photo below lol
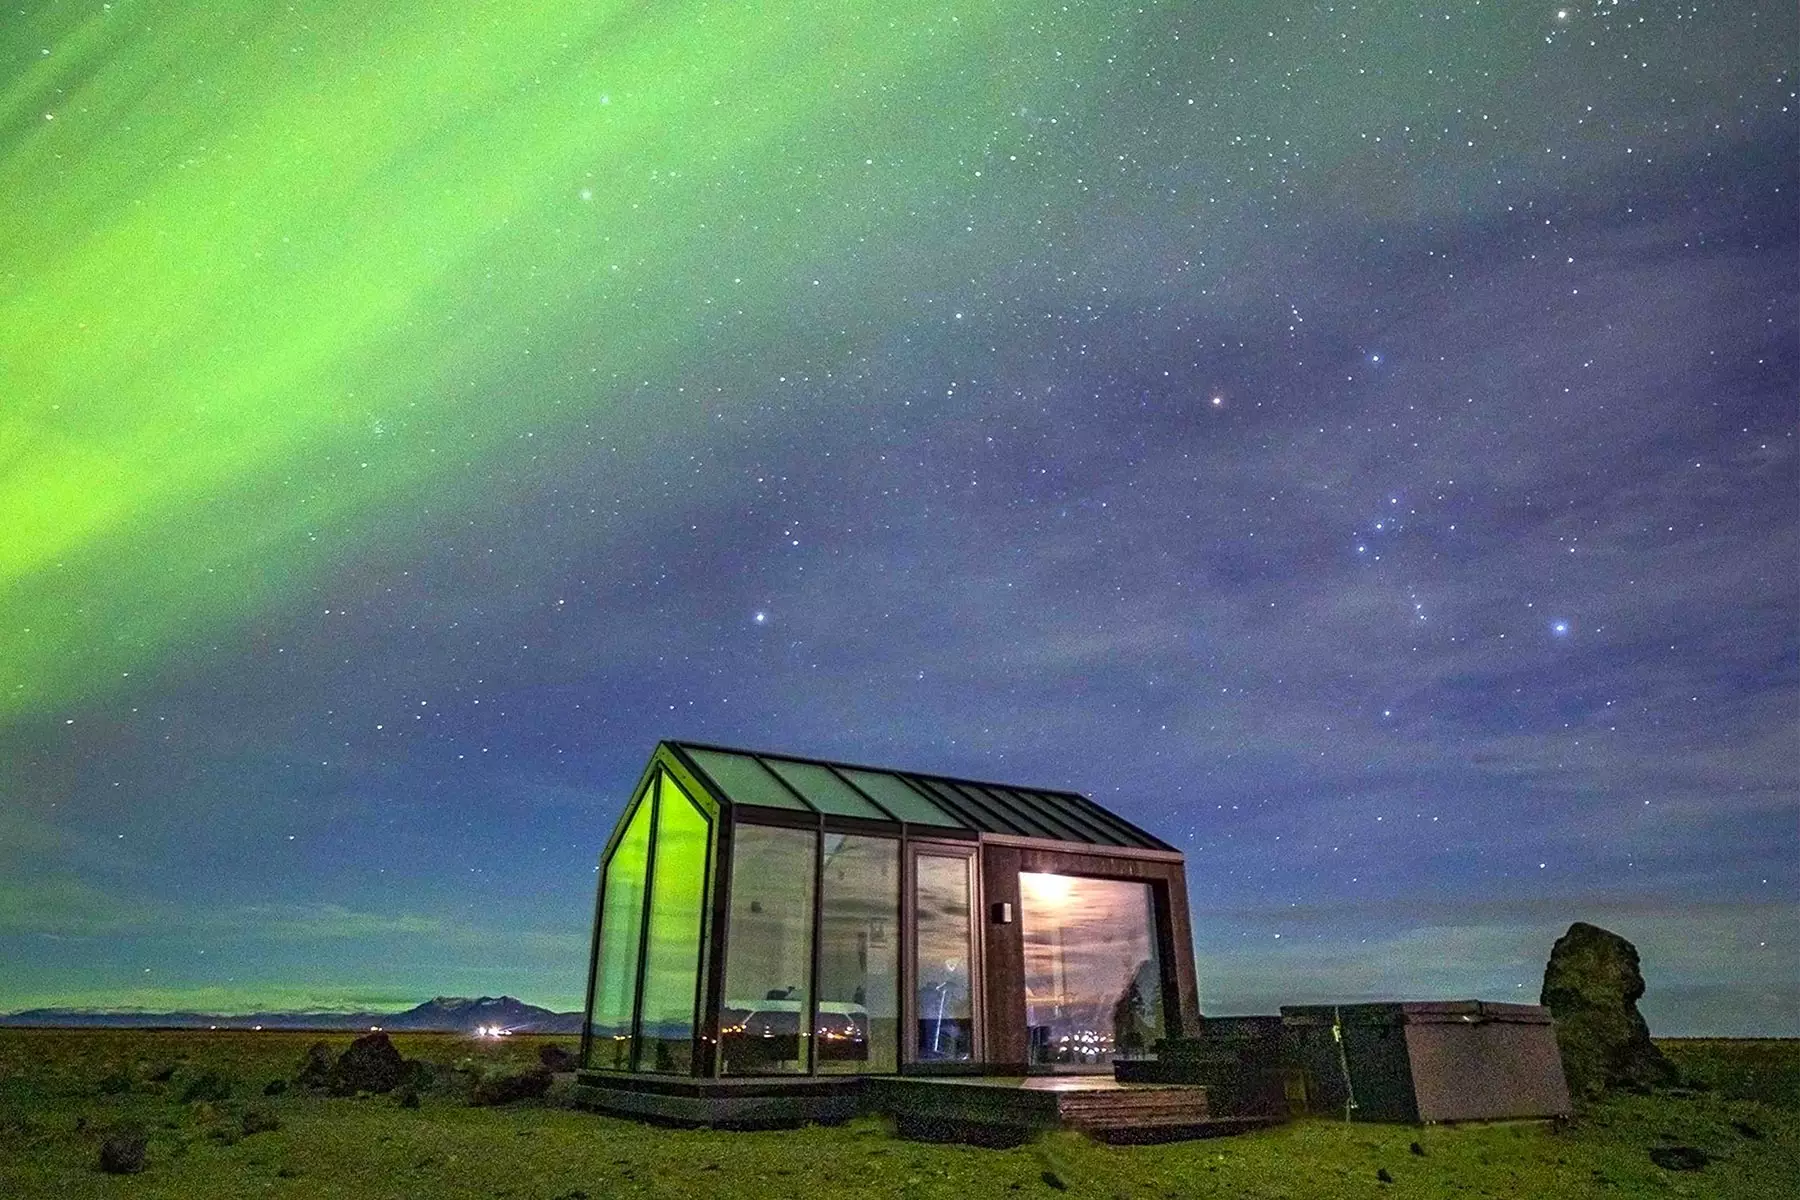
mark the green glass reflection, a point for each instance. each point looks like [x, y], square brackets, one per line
[672, 957]
[621, 928]
[823, 790]
[895, 796]
[768, 952]
[743, 779]
[857, 1027]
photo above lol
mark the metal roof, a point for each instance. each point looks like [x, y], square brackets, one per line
[760, 779]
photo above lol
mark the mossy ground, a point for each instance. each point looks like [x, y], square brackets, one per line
[60, 1093]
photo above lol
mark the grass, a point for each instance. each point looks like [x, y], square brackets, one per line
[60, 1092]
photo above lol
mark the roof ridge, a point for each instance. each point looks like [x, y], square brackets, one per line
[1090, 811]
[857, 766]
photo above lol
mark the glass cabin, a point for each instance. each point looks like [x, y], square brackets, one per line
[765, 915]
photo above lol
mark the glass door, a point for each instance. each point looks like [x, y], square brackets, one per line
[945, 990]
[1093, 979]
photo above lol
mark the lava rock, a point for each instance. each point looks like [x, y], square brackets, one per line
[1679, 1158]
[315, 1067]
[1592, 984]
[370, 1064]
[114, 1083]
[275, 1087]
[257, 1119]
[555, 1058]
[511, 1086]
[418, 1075]
[124, 1152]
[208, 1087]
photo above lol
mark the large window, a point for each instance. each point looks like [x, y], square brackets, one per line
[768, 955]
[621, 928]
[672, 954]
[1093, 982]
[944, 1017]
[858, 1026]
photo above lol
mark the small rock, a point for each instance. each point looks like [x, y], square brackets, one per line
[161, 1073]
[275, 1087]
[257, 1119]
[420, 1075]
[1384, 1175]
[506, 1088]
[315, 1067]
[1679, 1158]
[1052, 1179]
[555, 1058]
[1746, 1129]
[406, 1097]
[1417, 1149]
[124, 1152]
[208, 1087]
[114, 1083]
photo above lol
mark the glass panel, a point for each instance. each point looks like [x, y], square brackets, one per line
[1093, 985]
[823, 790]
[946, 1001]
[621, 929]
[768, 951]
[901, 800]
[858, 1023]
[744, 779]
[672, 957]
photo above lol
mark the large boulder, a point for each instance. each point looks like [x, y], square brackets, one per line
[1591, 987]
[369, 1064]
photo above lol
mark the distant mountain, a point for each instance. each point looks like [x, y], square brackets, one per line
[446, 1014]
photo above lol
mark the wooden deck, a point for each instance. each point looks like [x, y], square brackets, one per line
[987, 1108]
[984, 1109]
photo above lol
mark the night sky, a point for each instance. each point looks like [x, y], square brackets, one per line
[1354, 442]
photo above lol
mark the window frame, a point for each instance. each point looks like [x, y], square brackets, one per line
[970, 851]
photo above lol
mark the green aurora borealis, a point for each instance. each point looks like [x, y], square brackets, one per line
[276, 280]
[271, 275]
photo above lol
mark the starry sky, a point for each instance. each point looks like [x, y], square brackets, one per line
[1354, 441]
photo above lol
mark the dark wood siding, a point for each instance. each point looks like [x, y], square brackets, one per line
[1004, 970]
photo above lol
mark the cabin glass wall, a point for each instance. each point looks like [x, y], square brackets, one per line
[1093, 981]
[857, 1027]
[944, 1025]
[763, 1023]
[672, 953]
[621, 927]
